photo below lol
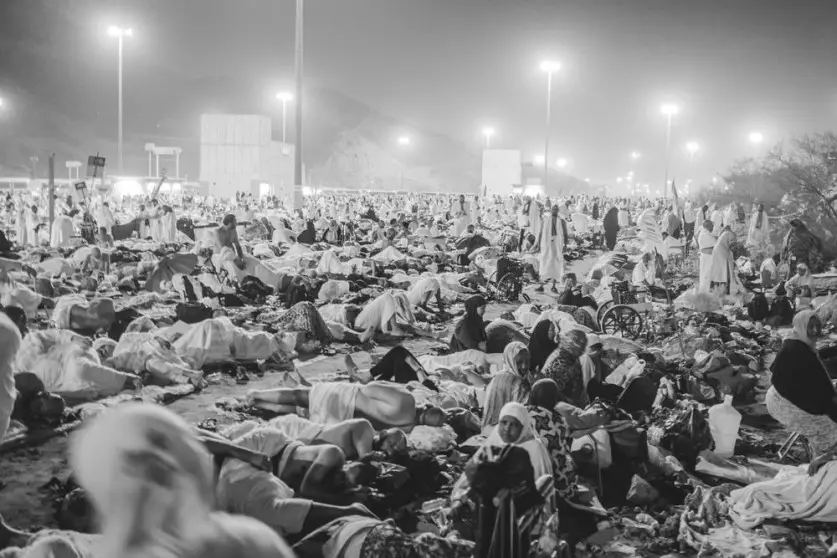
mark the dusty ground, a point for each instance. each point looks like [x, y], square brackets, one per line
[24, 503]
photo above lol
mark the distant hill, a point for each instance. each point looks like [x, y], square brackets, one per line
[347, 144]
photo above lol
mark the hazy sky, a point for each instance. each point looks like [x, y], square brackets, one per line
[454, 65]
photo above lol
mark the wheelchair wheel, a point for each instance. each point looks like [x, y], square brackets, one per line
[603, 307]
[622, 320]
[509, 287]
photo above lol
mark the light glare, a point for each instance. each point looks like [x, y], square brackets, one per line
[284, 96]
[550, 66]
[756, 137]
[692, 147]
[403, 140]
[562, 163]
[670, 109]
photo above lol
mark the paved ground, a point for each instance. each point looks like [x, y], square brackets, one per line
[25, 505]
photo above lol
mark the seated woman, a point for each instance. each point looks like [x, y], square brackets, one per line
[552, 428]
[564, 367]
[470, 330]
[543, 342]
[781, 310]
[510, 385]
[385, 405]
[515, 427]
[802, 396]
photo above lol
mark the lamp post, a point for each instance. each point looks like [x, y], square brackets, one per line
[285, 98]
[404, 142]
[488, 132]
[550, 68]
[692, 147]
[120, 33]
[668, 110]
[756, 138]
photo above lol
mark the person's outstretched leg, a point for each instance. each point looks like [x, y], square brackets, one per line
[279, 400]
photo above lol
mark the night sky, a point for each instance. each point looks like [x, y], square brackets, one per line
[452, 66]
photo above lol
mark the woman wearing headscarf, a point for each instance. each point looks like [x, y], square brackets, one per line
[309, 235]
[151, 483]
[801, 245]
[722, 275]
[551, 244]
[543, 342]
[611, 227]
[705, 242]
[564, 367]
[512, 384]
[514, 427]
[552, 428]
[801, 284]
[470, 330]
[802, 396]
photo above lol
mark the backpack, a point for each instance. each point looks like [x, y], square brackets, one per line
[758, 309]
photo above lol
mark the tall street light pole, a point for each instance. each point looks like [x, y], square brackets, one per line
[668, 110]
[297, 195]
[404, 142]
[756, 138]
[285, 98]
[692, 147]
[488, 132]
[120, 33]
[550, 68]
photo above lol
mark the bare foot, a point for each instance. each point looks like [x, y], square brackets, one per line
[350, 365]
[355, 373]
[367, 335]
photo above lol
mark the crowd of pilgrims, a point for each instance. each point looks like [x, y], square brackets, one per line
[162, 487]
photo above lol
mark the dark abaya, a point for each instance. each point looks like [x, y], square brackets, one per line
[611, 227]
[541, 345]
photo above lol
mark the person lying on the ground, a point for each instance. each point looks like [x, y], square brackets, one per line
[278, 498]
[390, 314]
[355, 437]
[74, 312]
[147, 352]
[68, 366]
[383, 404]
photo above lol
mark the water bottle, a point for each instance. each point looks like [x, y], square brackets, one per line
[724, 421]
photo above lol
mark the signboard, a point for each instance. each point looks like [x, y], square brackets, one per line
[94, 164]
[79, 186]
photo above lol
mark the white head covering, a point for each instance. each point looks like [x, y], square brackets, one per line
[528, 440]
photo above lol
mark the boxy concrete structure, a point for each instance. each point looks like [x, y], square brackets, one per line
[238, 154]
